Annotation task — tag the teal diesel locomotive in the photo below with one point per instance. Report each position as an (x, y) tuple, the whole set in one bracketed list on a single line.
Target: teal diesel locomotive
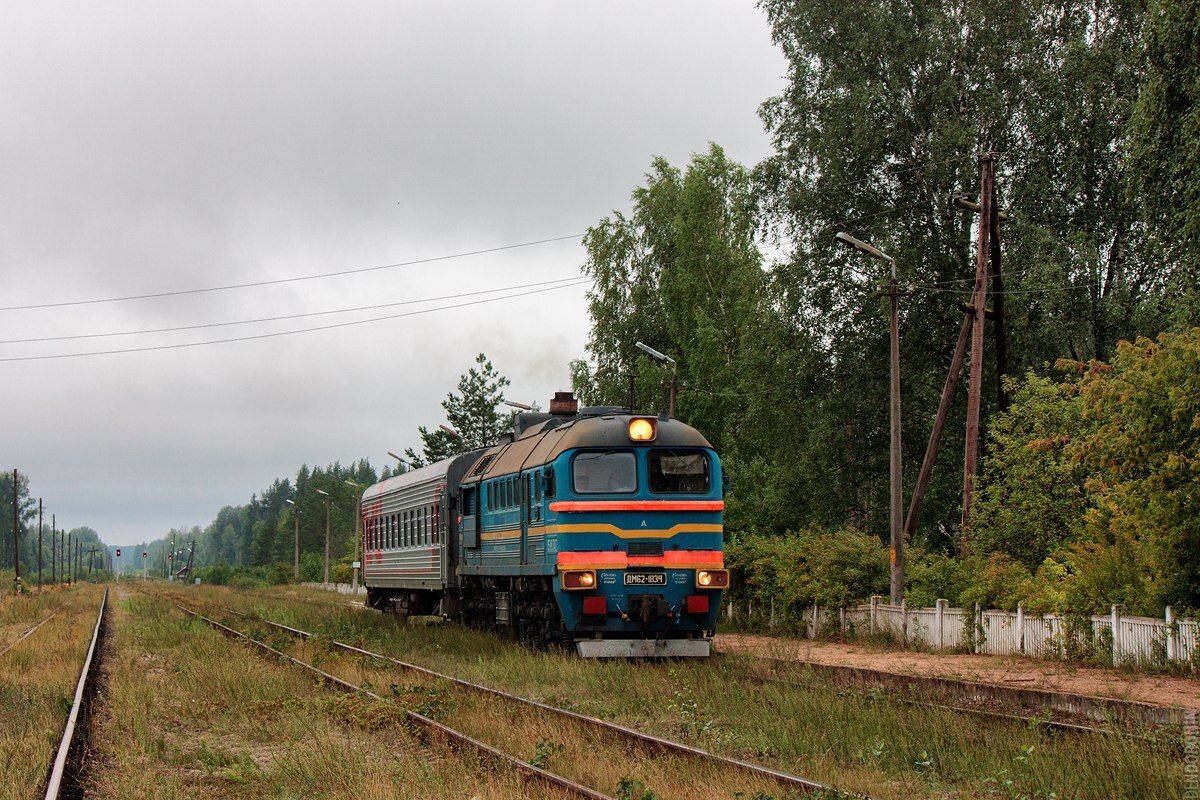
[(592, 528)]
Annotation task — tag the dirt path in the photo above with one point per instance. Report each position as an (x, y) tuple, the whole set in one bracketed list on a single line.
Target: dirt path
[(1024, 673)]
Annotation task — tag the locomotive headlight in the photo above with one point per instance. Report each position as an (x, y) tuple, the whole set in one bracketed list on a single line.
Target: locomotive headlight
[(642, 430), (579, 579), (712, 578)]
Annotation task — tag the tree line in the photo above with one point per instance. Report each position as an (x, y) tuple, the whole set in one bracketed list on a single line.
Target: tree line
[(781, 337)]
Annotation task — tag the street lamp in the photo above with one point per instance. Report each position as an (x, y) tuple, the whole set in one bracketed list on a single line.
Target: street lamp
[(403, 462), (357, 537), (326, 494), (896, 490), (645, 348), (296, 520)]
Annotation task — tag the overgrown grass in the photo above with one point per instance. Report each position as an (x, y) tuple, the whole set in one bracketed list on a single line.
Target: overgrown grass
[(826, 733), (37, 681), (187, 713)]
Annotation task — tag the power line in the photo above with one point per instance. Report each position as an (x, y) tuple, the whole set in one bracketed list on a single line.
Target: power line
[(285, 316), (288, 280), (579, 282), (1036, 290)]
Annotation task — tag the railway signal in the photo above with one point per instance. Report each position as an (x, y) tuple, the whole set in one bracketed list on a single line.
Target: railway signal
[(144, 556)]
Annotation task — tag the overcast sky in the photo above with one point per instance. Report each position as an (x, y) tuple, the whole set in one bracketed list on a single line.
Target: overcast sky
[(155, 148)]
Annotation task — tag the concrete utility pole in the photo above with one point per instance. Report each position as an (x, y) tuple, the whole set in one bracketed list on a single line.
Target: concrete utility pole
[(997, 314), (979, 309), (67, 555), (296, 533), (39, 544), (895, 486), (53, 549), (326, 494), (354, 566), (650, 351), (16, 528)]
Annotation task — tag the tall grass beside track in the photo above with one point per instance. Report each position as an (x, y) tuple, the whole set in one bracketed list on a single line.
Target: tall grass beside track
[(188, 713), (826, 733), (37, 681)]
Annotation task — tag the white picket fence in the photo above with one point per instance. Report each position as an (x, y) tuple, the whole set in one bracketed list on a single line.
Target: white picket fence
[(1130, 639), (340, 588)]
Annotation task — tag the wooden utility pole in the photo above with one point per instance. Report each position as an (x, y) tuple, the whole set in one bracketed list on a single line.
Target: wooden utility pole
[(970, 333), (979, 308), (939, 425)]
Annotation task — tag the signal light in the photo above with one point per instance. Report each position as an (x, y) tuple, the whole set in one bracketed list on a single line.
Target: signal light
[(118, 552), (579, 579), (642, 430), (712, 578)]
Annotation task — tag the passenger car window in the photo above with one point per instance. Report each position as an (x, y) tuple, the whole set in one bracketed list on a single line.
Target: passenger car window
[(678, 471), (610, 471)]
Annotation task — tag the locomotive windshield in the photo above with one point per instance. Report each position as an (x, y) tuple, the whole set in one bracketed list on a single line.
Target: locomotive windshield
[(610, 471), (678, 471)]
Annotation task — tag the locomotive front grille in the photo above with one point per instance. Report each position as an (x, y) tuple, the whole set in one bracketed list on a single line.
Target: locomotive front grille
[(645, 548)]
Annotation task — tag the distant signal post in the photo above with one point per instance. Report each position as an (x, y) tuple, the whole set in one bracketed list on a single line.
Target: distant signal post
[(144, 556)]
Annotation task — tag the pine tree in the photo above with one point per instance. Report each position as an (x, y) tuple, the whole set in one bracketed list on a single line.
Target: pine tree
[(471, 413)]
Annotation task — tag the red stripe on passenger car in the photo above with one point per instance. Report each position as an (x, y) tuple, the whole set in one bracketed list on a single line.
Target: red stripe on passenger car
[(638, 505)]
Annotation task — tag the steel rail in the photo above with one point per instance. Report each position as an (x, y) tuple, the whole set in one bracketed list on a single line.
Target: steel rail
[(29, 633), (1050, 724), (58, 773), (656, 742), (523, 767)]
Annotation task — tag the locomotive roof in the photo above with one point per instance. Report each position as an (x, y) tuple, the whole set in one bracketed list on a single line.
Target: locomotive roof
[(542, 443)]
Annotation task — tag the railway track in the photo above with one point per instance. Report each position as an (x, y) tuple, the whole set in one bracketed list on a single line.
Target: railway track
[(1049, 724), (655, 744), (26, 634), (438, 729), (65, 774), (1052, 725)]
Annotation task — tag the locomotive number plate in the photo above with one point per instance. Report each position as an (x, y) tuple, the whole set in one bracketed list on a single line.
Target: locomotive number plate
[(645, 579)]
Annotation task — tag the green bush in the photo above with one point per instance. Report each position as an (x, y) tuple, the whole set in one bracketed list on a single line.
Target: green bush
[(312, 567), (997, 581), (218, 574), (829, 568), (280, 573), (930, 577)]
